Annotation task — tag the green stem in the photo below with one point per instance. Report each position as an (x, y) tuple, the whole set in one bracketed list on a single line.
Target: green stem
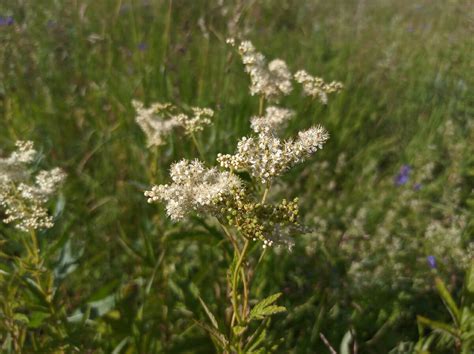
[(166, 33), (235, 278), (246, 293), (153, 175), (265, 194), (261, 104), (198, 147), (34, 246), (230, 237)]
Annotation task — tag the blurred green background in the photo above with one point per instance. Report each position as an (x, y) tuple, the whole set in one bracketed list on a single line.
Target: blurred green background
[(69, 70)]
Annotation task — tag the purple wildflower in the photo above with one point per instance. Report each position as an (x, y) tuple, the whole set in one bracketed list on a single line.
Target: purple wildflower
[(6, 21), (403, 175), (142, 46), (431, 261), (417, 186)]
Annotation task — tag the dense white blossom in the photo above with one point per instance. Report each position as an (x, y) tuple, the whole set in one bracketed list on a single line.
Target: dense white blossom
[(194, 188), (272, 80), (23, 196), (265, 156), (316, 87)]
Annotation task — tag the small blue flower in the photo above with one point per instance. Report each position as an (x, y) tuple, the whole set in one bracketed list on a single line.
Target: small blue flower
[(431, 261), (6, 21), (417, 186), (403, 176)]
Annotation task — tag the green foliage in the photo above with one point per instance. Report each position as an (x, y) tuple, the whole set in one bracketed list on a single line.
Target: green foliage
[(460, 333)]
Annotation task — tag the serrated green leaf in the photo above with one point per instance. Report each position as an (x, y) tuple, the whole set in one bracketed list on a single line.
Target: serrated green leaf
[(268, 311), (265, 308)]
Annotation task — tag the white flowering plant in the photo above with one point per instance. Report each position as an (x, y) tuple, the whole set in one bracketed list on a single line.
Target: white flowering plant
[(242, 207), (27, 285)]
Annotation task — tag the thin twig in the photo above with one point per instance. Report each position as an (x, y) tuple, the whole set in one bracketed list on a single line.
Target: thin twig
[(326, 342)]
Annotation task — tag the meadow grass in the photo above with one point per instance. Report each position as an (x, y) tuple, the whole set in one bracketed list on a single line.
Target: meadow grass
[(69, 71)]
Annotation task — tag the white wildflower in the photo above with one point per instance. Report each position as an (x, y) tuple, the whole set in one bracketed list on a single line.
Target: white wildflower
[(160, 119), (195, 123), (271, 81), (266, 156), (273, 120), (316, 87), (309, 141), (21, 199), (155, 121), (194, 188)]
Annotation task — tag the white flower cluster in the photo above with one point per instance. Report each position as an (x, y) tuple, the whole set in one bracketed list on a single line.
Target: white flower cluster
[(158, 120), (194, 188), (272, 80), (316, 87), (195, 123), (274, 119), (154, 121), (22, 199), (266, 156)]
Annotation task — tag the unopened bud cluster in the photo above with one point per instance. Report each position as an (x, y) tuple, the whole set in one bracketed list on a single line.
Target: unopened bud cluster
[(22, 195), (257, 221), (160, 119)]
